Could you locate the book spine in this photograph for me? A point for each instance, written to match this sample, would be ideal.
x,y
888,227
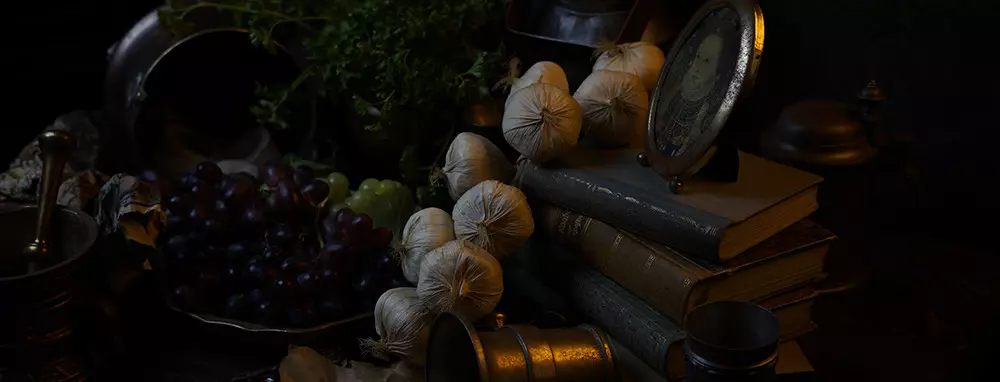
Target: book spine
x,y
650,335
659,280
656,217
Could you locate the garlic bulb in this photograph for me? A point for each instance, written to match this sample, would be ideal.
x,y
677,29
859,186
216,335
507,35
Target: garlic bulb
x,y
546,72
425,230
542,122
462,278
614,107
472,159
494,216
402,323
303,364
642,59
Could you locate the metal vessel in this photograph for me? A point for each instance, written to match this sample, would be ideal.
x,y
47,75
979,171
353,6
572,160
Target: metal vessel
x,y
37,281
457,351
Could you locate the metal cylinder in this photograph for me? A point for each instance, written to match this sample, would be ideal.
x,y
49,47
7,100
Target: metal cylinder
x,y
729,341
459,352
36,318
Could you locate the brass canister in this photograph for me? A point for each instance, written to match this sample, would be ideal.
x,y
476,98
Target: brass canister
x,y
36,309
457,351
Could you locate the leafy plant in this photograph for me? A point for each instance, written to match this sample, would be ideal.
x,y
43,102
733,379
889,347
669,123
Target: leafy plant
x,y
413,63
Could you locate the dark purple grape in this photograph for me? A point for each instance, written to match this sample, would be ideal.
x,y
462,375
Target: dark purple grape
x,y
203,192
274,173
178,204
148,175
280,288
256,296
333,251
256,268
187,182
344,216
302,316
195,239
209,172
178,258
329,277
176,244
238,252
295,264
209,278
198,213
175,224
308,282
303,175
280,235
384,262
239,191
236,306
330,228
274,255
314,192
361,224
331,309
381,237
253,218
289,199
213,229
220,210
366,282
268,313
232,274
212,253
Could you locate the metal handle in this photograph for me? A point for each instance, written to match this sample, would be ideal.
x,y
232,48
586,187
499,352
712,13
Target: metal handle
x,y
55,148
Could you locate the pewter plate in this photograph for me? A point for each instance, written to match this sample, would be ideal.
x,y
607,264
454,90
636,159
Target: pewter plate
x,y
712,62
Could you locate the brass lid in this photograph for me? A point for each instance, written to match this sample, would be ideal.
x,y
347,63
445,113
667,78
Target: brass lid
x,y
818,132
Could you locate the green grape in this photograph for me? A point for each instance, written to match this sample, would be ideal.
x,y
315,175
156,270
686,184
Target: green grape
x,y
360,202
387,187
369,185
339,187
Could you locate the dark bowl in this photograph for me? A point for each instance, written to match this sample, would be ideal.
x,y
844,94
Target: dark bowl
x,y
257,333
37,307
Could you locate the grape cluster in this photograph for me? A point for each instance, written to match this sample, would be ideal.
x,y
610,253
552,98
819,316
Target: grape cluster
x,y
268,253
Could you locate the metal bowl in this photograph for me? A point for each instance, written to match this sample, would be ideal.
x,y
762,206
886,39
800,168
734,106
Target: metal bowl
x,y
257,333
37,318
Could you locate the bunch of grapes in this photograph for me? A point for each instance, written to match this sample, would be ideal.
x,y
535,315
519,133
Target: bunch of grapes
x,y
268,252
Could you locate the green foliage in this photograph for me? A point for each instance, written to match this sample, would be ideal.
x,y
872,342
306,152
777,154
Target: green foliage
x,y
413,63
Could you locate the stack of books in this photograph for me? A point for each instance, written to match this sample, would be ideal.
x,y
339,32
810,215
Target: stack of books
x,y
634,258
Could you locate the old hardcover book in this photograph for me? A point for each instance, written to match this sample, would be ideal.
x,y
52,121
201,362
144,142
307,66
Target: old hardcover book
x,y
672,283
651,336
711,220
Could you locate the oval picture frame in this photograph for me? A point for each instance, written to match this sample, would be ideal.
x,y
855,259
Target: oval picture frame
x,y
711,64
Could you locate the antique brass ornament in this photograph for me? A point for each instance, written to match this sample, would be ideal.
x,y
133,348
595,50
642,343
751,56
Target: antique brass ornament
x,y
826,133
708,69
458,351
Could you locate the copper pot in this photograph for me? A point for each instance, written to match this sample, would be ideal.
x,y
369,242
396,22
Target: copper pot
x,y
457,351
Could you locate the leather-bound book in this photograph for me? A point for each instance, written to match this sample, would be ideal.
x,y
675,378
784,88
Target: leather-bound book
x,y
714,221
634,324
672,283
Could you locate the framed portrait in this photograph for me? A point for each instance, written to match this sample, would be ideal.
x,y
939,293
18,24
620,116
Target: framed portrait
x,y
712,62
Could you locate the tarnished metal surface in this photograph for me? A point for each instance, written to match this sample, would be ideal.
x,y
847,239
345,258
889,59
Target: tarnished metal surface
x,y
710,66
459,352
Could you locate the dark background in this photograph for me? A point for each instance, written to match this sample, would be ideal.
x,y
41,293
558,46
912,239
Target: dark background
x,y
933,57
935,296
